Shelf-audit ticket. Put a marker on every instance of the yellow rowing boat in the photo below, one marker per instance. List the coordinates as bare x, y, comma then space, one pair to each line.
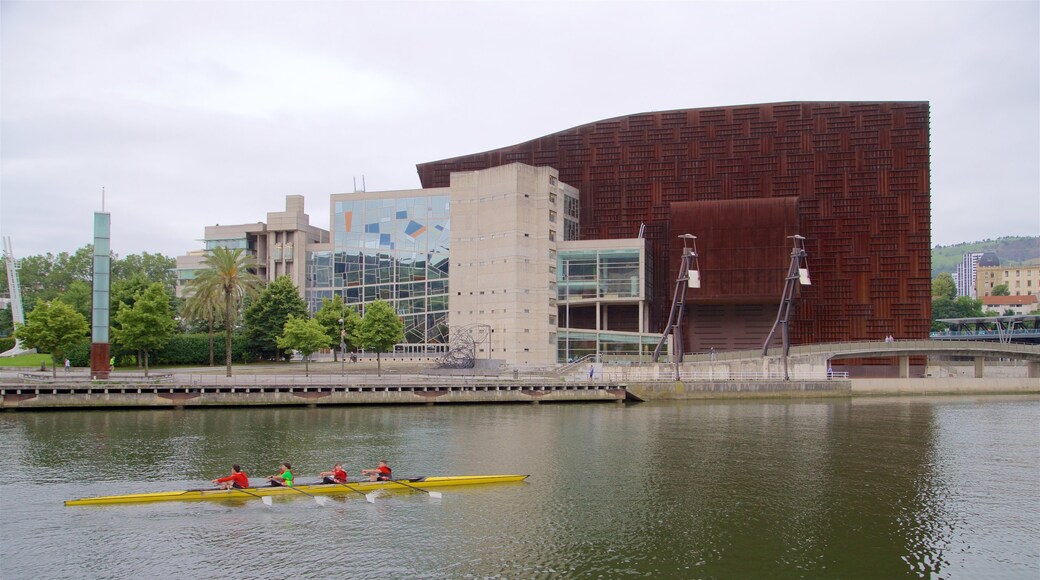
364, 487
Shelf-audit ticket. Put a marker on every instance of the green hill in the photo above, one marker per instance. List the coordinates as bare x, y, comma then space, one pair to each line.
1011, 250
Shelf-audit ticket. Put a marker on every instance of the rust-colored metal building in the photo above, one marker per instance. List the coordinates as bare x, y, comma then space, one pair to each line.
851, 177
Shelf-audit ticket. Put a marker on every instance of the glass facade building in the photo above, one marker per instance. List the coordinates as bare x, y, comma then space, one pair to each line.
393, 248
602, 295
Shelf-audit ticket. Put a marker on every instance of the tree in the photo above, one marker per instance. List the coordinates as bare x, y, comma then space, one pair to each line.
265, 317
124, 294
79, 296
148, 324
154, 268
962, 307
306, 335
46, 277
943, 286
229, 272
331, 313
1001, 290
206, 304
53, 327
6, 322
380, 329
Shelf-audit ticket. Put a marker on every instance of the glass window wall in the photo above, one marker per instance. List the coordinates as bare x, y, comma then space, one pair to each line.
396, 250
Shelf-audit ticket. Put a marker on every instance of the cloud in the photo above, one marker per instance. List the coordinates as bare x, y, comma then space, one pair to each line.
191, 114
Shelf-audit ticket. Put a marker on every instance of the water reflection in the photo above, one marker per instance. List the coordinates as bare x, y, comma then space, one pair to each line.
864, 488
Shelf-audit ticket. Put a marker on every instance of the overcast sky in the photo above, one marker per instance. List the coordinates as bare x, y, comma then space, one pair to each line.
196, 113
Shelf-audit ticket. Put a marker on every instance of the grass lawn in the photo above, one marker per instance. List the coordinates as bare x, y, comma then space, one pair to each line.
26, 360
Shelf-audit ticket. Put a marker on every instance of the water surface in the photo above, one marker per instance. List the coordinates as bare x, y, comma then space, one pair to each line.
864, 488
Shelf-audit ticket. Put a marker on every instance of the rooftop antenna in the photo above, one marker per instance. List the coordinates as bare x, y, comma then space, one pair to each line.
355, 184
363, 182
102, 199
642, 230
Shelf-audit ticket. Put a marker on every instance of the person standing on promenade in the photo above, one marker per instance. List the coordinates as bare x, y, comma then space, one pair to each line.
237, 480
337, 475
381, 473
284, 477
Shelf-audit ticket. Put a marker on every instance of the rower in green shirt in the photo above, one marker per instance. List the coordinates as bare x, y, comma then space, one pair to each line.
284, 477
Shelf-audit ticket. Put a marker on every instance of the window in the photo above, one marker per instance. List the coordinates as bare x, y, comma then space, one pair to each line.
552, 198
552, 235
552, 217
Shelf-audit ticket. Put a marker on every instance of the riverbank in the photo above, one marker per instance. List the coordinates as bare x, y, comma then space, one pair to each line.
945, 386
174, 391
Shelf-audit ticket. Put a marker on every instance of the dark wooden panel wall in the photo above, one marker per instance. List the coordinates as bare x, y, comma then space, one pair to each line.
858, 171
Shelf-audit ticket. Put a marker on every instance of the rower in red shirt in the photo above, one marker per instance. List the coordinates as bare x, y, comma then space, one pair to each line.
381, 473
237, 480
337, 475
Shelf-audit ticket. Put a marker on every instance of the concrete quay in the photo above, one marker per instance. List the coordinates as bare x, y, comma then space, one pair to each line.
294, 391
259, 386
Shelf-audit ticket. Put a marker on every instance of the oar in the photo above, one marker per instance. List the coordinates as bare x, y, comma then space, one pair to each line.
318, 500
369, 497
264, 498
433, 494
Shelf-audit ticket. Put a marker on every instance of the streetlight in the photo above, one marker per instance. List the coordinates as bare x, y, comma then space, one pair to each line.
342, 348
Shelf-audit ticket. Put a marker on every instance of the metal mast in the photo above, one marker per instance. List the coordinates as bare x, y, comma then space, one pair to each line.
689, 277
796, 273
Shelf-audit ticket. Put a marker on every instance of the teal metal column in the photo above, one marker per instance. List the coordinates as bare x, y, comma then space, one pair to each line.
101, 286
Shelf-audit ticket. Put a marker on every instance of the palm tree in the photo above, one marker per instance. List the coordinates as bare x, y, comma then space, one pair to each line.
229, 274
205, 304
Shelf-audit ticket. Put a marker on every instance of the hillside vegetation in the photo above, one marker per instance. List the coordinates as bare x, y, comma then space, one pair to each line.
1012, 250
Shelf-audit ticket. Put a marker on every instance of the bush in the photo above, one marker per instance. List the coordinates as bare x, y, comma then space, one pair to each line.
6, 343
193, 349
79, 355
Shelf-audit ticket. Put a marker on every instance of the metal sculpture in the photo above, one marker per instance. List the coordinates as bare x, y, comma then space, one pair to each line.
462, 349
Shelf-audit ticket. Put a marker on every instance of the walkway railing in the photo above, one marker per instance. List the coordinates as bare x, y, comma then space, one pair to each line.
642, 375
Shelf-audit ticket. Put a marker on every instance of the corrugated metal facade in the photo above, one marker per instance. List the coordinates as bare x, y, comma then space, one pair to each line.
852, 177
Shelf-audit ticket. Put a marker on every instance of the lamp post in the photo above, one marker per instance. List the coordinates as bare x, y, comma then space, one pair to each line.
342, 348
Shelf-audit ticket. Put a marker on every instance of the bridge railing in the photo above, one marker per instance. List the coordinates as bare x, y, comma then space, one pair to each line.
642, 374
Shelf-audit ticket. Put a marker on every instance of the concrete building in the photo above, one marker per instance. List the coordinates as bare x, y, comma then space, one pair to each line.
493, 238
278, 245
483, 251
495, 249
506, 225
964, 276
1020, 280
1010, 305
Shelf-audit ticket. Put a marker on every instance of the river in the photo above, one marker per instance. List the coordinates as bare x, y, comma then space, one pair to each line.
943, 487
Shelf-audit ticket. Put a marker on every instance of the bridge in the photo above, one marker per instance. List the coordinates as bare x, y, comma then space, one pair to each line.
1020, 328
818, 357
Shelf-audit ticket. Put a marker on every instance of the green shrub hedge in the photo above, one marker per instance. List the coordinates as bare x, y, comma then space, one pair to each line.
193, 349
6, 343
79, 355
